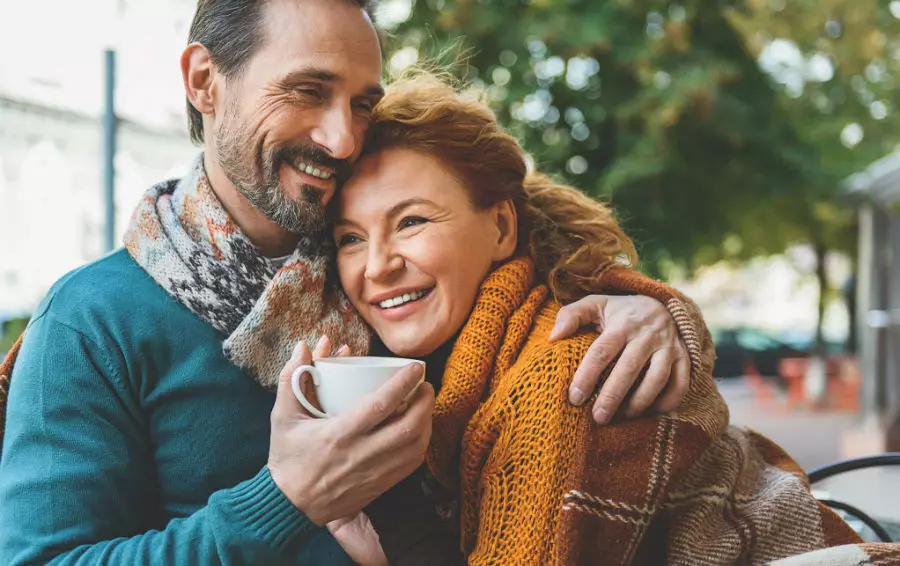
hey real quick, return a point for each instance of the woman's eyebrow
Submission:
(404, 204)
(393, 212)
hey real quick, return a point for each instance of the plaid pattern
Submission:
(541, 483)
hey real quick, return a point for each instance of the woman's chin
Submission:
(409, 349)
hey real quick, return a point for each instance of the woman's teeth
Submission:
(402, 299)
(310, 170)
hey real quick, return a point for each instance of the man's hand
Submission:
(644, 333)
(332, 468)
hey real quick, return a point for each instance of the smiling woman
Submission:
(412, 250)
(450, 248)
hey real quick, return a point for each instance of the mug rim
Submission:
(367, 361)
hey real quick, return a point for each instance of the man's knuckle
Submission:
(611, 397)
(378, 407)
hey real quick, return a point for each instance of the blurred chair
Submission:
(888, 459)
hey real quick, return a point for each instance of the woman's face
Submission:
(413, 251)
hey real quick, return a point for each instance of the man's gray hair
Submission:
(232, 32)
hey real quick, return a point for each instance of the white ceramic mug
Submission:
(341, 382)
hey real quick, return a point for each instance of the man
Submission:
(141, 427)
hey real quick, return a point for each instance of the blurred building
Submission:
(51, 199)
(877, 193)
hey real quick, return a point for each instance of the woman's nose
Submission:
(383, 262)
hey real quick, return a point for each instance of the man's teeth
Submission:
(310, 170)
(404, 298)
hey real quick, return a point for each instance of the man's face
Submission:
(288, 128)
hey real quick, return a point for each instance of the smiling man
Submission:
(149, 418)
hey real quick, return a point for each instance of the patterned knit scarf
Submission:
(182, 236)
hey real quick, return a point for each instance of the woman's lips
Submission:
(395, 314)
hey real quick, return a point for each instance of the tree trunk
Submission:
(821, 251)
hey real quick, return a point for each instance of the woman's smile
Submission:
(404, 305)
(412, 249)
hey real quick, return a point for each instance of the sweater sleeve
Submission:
(77, 483)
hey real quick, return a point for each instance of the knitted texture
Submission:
(182, 236)
(6, 368)
(540, 483)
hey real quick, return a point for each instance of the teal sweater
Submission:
(131, 439)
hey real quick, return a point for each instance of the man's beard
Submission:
(255, 173)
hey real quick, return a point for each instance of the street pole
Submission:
(109, 148)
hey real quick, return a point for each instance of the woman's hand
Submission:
(643, 334)
(358, 538)
(355, 534)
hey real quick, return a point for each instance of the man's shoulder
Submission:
(112, 287)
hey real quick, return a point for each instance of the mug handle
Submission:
(298, 393)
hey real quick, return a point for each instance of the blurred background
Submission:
(747, 146)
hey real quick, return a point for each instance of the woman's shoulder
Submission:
(559, 357)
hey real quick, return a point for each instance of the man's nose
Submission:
(335, 132)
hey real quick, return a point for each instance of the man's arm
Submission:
(76, 479)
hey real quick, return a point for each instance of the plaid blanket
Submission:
(541, 483)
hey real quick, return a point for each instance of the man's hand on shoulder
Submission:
(641, 333)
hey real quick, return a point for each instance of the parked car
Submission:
(736, 347)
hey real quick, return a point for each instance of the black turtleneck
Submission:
(435, 362)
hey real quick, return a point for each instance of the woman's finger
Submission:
(654, 382)
(323, 348)
(624, 373)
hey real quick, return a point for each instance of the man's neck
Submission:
(271, 239)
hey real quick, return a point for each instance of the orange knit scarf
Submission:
(541, 484)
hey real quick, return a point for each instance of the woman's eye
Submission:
(348, 240)
(411, 221)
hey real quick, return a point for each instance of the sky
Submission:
(52, 54)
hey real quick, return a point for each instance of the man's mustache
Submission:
(315, 156)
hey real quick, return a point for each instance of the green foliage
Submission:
(10, 331)
(662, 108)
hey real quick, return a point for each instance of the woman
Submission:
(452, 251)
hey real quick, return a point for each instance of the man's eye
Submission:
(348, 240)
(308, 93)
(411, 221)
(365, 106)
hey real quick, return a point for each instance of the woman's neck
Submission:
(435, 362)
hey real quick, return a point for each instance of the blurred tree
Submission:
(718, 129)
(836, 64)
(658, 106)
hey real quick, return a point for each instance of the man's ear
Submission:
(507, 224)
(198, 72)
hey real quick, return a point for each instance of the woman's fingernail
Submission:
(321, 342)
(576, 396)
(601, 415)
(297, 349)
(343, 350)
